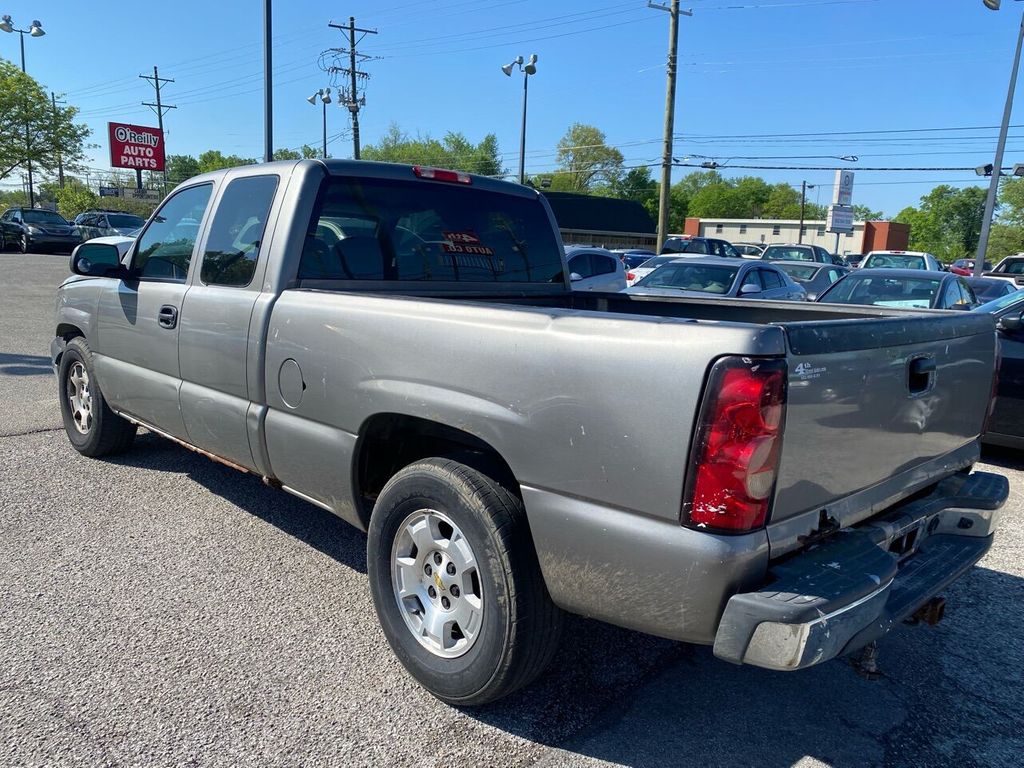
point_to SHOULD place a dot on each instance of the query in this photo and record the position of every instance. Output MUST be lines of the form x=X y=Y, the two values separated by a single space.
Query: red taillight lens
x=630 y=276
x=438 y=174
x=736 y=446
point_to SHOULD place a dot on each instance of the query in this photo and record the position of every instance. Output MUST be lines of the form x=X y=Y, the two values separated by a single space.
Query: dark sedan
x=814 y=277
x=907 y=288
x=990 y=288
x=36 y=229
x=1006 y=425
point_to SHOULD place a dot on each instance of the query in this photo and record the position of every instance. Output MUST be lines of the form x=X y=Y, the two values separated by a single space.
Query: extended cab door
x=213 y=345
x=137 y=322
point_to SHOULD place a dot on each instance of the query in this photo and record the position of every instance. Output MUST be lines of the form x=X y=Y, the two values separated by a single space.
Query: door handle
x=168 y=316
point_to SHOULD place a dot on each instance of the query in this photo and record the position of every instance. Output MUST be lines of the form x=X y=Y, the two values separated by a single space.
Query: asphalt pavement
x=159 y=609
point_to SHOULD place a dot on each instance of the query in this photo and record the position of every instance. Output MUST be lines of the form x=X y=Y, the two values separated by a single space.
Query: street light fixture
x=34 y=30
x=993 y=187
x=529 y=68
x=324 y=94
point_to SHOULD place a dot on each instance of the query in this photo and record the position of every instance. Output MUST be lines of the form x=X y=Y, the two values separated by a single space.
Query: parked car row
x=41 y=230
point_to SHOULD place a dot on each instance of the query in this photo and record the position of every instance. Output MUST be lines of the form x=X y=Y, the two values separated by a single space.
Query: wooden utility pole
x=670 y=108
x=60 y=157
x=160 y=109
x=349 y=96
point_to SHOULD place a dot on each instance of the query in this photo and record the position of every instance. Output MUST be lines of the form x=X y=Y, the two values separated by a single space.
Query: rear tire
x=93 y=429
x=439 y=522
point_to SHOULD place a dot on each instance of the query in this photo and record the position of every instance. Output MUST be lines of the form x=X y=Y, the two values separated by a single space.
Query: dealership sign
x=136 y=146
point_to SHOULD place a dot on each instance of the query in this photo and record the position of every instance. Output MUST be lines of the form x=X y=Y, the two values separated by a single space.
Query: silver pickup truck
x=400 y=345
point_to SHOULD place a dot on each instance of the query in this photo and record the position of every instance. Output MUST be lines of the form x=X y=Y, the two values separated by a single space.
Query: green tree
x=948 y=222
x=215 y=160
x=180 y=168
x=74 y=198
x=864 y=213
x=31 y=128
x=306 y=152
x=587 y=160
x=454 y=152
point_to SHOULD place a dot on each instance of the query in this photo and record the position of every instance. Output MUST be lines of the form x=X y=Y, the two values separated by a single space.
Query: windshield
x=788 y=254
x=1010 y=299
x=894 y=261
x=691 y=277
x=388 y=229
x=42 y=217
x=797 y=272
x=884 y=291
x=987 y=289
x=125 y=221
x=657 y=261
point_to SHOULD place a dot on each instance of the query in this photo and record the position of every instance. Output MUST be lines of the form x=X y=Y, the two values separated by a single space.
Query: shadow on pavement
x=316 y=527
x=1007 y=458
x=24 y=365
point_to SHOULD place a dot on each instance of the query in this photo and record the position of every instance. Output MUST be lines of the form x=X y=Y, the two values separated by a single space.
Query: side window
x=100 y=221
x=602 y=265
x=165 y=248
x=950 y=296
x=580 y=264
x=7 y=216
x=236 y=234
x=753 y=276
x=833 y=275
x=770 y=279
x=967 y=293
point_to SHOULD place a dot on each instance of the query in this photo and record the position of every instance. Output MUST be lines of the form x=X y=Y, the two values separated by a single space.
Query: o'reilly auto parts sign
x=136 y=146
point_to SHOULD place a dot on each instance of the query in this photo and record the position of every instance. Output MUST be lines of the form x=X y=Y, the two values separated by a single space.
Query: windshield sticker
x=465 y=242
x=806 y=371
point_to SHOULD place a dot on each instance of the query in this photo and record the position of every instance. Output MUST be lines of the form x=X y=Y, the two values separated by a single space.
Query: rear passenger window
x=165 y=248
x=580 y=264
x=770 y=279
x=236 y=235
x=602 y=265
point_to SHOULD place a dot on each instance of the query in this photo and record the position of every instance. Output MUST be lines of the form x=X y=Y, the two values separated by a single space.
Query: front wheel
x=456 y=583
x=93 y=429
x=24 y=244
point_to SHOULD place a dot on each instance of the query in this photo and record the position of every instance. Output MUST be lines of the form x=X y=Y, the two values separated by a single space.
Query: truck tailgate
x=877 y=411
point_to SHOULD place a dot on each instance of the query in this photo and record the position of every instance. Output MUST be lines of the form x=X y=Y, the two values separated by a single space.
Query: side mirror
x=96 y=260
x=575 y=277
x=1010 y=323
x=749 y=288
x=812 y=296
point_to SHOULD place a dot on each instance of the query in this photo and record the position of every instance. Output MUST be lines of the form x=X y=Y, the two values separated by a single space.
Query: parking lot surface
x=160 y=609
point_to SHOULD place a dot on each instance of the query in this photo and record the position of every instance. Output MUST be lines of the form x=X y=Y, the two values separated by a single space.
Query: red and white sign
x=136 y=146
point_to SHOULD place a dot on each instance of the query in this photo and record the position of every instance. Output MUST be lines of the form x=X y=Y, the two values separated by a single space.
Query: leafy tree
x=948 y=222
x=31 y=128
x=1006 y=237
x=454 y=151
x=74 y=198
x=305 y=153
x=180 y=168
x=637 y=185
x=215 y=160
x=864 y=213
x=586 y=160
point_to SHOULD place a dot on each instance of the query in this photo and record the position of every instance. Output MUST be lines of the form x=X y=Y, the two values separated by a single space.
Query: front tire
x=456 y=583
x=93 y=429
x=23 y=244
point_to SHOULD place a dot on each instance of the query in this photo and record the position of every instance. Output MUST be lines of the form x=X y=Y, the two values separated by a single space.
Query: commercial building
x=602 y=221
x=866 y=235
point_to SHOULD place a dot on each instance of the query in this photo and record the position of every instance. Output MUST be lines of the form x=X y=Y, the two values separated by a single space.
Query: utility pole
x=349 y=96
x=670 y=109
x=160 y=109
x=803 y=201
x=60 y=158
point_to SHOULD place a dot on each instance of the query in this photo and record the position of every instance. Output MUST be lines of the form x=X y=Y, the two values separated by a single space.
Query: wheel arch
x=389 y=441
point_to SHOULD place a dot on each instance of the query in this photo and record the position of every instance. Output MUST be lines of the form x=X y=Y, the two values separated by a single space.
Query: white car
x=901 y=260
x=649 y=266
x=595 y=269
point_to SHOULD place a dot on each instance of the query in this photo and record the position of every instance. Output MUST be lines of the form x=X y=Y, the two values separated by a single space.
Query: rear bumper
x=849 y=590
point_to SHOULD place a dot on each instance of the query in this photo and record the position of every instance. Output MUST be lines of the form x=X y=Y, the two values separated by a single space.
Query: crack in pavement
x=39 y=431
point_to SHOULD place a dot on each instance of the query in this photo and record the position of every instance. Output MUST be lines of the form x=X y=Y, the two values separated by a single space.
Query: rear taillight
x=630 y=276
x=737 y=445
x=438 y=174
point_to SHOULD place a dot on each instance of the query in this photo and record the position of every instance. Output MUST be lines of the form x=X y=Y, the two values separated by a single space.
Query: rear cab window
x=382 y=229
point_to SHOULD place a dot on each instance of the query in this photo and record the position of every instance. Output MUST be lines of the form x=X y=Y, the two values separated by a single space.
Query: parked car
x=717 y=276
x=633 y=257
x=814 y=278
x=797 y=252
x=1005 y=425
x=36 y=229
x=908 y=288
x=595 y=269
x=990 y=288
x=853 y=259
x=705 y=246
x=901 y=260
x=431 y=378
x=638 y=273
x=107 y=223
x=965 y=267
x=749 y=250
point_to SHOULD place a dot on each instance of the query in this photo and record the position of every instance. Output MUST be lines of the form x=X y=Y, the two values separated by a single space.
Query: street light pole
x=529 y=68
x=324 y=94
x=993 y=187
x=35 y=30
x=268 y=83
x=804 y=186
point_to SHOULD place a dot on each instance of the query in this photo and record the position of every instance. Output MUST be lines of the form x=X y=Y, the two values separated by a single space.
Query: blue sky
x=749 y=71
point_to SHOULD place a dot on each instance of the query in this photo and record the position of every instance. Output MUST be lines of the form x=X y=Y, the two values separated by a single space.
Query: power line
x=348 y=95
